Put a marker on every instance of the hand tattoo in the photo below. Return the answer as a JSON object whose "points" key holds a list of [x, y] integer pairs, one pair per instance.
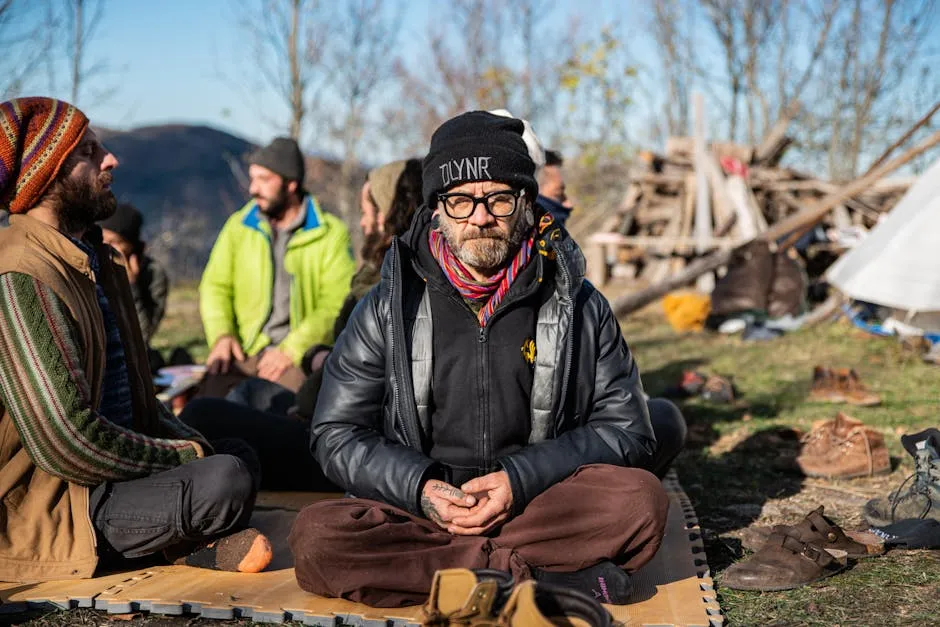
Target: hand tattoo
{"points": [[448, 490], [429, 510]]}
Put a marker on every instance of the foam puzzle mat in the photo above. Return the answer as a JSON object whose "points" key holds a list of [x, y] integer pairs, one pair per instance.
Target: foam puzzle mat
{"points": [[674, 589]]}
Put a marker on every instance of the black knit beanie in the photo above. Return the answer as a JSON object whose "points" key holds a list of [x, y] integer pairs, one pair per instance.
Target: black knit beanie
{"points": [[126, 222], [478, 146], [283, 157]]}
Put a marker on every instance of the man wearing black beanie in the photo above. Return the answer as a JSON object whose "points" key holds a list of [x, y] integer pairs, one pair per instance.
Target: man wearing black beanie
{"points": [[482, 403]]}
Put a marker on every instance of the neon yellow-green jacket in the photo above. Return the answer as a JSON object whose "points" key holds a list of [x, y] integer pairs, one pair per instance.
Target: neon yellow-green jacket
{"points": [[237, 285]]}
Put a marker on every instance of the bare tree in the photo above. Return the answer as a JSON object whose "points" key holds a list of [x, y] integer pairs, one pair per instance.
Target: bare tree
{"points": [[364, 35], [25, 37], [465, 68], [678, 67], [876, 75], [528, 16], [82, 20], [284, 47]]}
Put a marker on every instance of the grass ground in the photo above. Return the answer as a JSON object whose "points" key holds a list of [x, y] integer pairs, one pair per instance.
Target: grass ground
{"points": [[730, 468]]}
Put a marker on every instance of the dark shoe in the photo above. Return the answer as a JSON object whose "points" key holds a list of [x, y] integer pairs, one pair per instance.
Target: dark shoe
{"points": [[919, 494], [718, 390], [689, 384], [247, 551], [914, 533], [843, 448], [465, 597], [536, 604], [784, 563], [606, 582], [816, 529]]}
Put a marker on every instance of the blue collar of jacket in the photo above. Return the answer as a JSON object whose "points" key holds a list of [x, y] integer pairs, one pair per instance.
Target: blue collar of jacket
{"points": [[254, 219]]}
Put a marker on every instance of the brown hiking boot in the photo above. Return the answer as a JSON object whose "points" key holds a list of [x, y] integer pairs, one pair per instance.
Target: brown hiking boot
{"points": [[854, 390], [825, 389], [843, 448], [784, 563], [460, 596], [536, 604], [817, 529], [248, 551]]}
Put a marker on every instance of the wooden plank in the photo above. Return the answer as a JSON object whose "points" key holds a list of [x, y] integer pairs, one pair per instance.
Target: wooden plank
{"points": [[649, 241], [723, 205], [688, 211]]}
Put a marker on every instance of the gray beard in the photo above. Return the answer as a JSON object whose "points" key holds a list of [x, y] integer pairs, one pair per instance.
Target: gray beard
{"points": [[490, 253]]}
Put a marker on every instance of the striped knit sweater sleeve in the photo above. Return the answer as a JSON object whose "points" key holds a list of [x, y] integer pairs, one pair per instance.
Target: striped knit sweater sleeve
{"points": [[44, 389]]}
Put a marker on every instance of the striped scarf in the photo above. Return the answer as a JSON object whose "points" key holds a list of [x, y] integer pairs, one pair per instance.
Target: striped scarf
{"points": [[492, 291]]}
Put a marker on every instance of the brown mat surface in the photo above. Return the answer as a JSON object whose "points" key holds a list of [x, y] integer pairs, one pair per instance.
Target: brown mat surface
{"points": [[674, 589]]}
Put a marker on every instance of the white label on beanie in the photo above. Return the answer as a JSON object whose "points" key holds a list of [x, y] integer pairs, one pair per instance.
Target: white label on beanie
{"points": [[475, 168]]}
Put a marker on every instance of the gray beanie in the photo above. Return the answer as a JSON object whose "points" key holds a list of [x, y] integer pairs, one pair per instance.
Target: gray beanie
{"points": [[283, 157]]}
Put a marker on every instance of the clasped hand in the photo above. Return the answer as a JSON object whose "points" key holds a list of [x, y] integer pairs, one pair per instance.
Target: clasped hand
{"points": [[472, 509]]}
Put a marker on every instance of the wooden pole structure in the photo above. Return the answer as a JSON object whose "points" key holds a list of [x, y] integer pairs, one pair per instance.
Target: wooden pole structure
{"points": [[802, 220], [910, 133]]}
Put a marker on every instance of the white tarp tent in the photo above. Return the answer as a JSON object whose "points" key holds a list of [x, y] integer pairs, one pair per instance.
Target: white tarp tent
{"points": [[898, 264]]}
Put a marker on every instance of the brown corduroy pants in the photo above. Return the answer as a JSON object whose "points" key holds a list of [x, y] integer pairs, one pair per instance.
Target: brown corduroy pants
{"points": [[374, 553]]}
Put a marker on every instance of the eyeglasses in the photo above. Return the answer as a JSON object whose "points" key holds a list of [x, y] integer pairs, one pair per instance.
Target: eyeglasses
{"points": [[500, 204]]}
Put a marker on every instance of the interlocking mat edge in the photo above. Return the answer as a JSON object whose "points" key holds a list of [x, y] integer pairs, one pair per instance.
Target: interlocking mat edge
{"points": [[674, 589]]}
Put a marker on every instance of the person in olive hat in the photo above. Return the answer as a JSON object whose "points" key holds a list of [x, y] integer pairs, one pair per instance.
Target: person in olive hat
{"points": [[482, 404], [276, 278], [148, 279]]}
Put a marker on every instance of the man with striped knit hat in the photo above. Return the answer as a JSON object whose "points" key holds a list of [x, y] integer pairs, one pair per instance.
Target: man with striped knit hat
{"points": [[482, 404], [92, 467]]}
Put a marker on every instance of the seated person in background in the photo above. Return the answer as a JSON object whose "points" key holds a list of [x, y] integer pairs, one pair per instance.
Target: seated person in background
{"points": [[91, 465], [388, 201], [482, 403], [149, 283], [259, 409], [276, 277], [553, 196]]}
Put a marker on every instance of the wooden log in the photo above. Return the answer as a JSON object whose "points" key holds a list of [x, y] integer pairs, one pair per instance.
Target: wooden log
{"points": [[904, 138], [596, 259], [813, 215], [776, 142], [631, 302]]}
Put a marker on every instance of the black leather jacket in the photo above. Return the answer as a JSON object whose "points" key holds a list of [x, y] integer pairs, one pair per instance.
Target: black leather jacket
{"points": [[587, 406]]}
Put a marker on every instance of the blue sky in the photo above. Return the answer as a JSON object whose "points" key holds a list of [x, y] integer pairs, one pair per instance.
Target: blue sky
{"points": [[167, 61]]}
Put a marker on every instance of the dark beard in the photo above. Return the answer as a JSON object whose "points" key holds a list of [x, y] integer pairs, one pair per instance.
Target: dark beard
{"points": [[79, 205], [277, 205]]}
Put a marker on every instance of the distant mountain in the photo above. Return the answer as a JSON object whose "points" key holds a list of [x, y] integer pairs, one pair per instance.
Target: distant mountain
{"points": [[187, 180]]}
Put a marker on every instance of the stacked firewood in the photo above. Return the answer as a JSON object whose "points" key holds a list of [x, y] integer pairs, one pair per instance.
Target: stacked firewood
{"points": [[686, 203]]}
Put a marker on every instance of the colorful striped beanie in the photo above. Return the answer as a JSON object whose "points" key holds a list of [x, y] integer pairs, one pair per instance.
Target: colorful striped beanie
{"points": [[36, 135]]}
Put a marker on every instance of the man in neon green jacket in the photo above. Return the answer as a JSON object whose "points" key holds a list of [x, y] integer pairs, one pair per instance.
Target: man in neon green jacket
{"points": [[277, 275]]}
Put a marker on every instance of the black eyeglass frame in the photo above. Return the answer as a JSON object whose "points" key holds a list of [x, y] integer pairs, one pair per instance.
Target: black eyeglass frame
{"points": [[517, 194]]}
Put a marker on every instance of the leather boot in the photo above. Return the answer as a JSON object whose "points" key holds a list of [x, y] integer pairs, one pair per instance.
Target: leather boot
{"points": [[843, 449], [784, 563], [535, 604], [460, 596], [853, 390], [816, 529]]}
